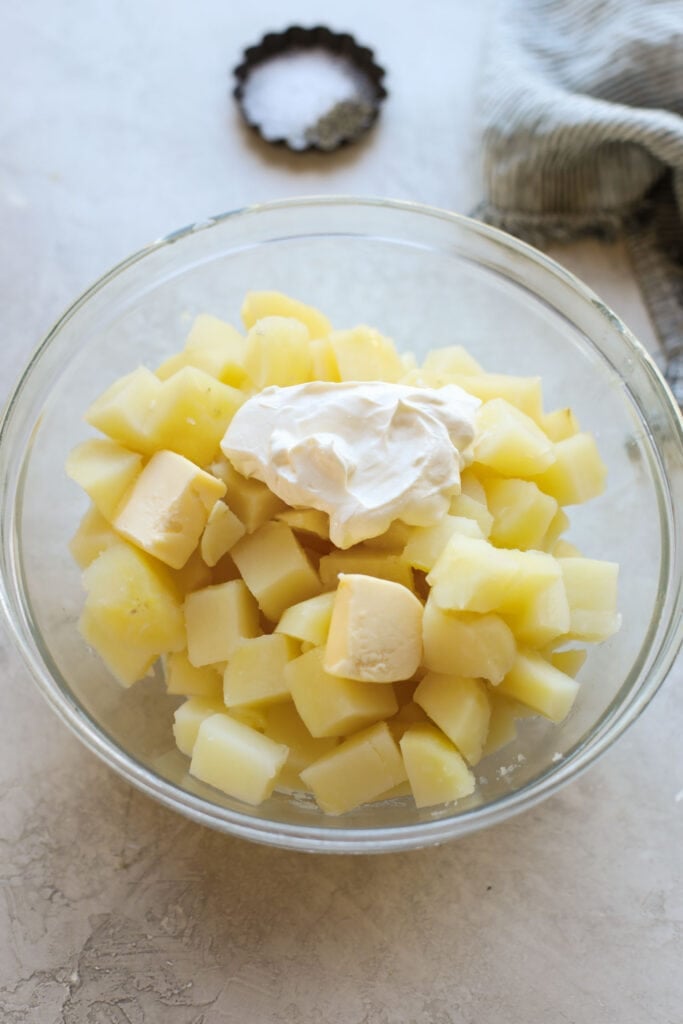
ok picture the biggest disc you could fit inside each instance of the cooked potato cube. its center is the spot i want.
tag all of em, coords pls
(376, 631)
(167, 508)
(194, 575)
(406, 716)
(524, 393)
(308, 620)
(437, 773)
(278, 352)
(426, 543)
(222, 531)
(511, 442)
(324, 360)
(127, 410)
(367, 562)
(451, 359)
(192, 413)
(258, 305)
(544, 617)
(358, 770)
(188, 717)
(591, 587)
(252, 502)
(569, 662)
(393, 540)
(307, 520)
(461, 709)
(216, 619)
(558, 524)
(463, 506)
(214, 347)
(255, 673)
(182, 677)
(472, 575)
(237, 760)
(93, 536)
(502, 724)
(467, 644)
(577, 473)
(364, 354)
(331, 706)
(132, 611)
(538, 684)
(471, 485)
(284, 725)
(522, 513)
(275, 568)
(560, 424)
(105, 470)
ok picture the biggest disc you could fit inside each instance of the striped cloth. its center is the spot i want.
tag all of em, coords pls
(583, 134)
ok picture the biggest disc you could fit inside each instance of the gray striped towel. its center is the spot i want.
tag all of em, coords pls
(583, 134)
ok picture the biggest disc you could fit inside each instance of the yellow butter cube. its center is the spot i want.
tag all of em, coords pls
(467, 644)
(182, 677)
(93, 536)
(222, 531)
(591, 587)
(216, 619)
(436, 771)
(187, 719)
(278, 352)
(308, 620)
(258, 305)
(522, 513)
(105, 470)
(577, 473)
(330, 705)
(364, 354)
(127, 411)
(375, 632)
(255, 673)
(236, 759)
(510, 442)
(461, 709)
(275, 568)
(214, 347)
(538, 684)
(360, 769)
(167, 508)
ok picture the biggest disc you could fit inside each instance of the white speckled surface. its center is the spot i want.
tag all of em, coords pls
(119, 128)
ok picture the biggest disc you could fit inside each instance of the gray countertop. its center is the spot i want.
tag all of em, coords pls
(113, 910)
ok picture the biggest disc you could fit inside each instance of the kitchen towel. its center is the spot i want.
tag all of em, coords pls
(583, 134)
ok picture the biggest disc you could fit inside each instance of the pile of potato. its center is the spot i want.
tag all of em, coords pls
(391, 667)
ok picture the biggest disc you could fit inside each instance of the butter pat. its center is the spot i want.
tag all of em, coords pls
(376, 631)
(168, 508)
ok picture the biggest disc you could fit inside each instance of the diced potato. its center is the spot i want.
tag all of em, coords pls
(502, 724)
(560, 424)
(591, 587)
(308, 620)
(511, 442)
(182, 677)
(331, 706)
(467, 644)
(252, 502)
(563, 549)
(255, 673)
(194, 575)
(544, 617)
(471, 485)
(569, 662)
(393, 540)
(126, 411)
(524, 393)
(358, 770)
(188, 717)
(461, 709)
(364, 354)
(237, 760)
(167, 508)
(558, 524)
(452, 359)
(278, 352)
(366, 562)
(407, 715)
(376, 631)
(472, 575)
(465, 507)
(105, 470)
(224, 570)
(132, 611)
(93, 536)
(275, 568)
(324, 360)
(522, 513)
(436, 771)
(577, 473)
(222, 531)
(214, 347)
(254, 717)
(258, 305)
(538, 684)
(216, 619)
(192, 414)
(426, 543)
(307, 520)
(284, 725)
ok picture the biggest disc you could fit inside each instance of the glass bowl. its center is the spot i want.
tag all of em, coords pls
(427, 278)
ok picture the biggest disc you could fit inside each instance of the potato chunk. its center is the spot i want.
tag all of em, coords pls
(284, 725)
(577, 473)
(376, 631)
(309, 620)
(511, 442)
(258, 305)
(236, 759)
(330, 705)
(522, 513)
(364, 561)
(538, 684)
(93, 536)
(187, 719)
(214, 347)
(126, 411)
(252, 502)
(591, 587)
(544, 617)
(222, 531)
(426, 543)
(182, 677)
(105, 470)
(467, 644)
(255, 673)
(460, 707)
(278, 352)
(275, 568)
(216, 619)
(357, 771)
(167, 508)
(437, 773)
(364, 354)
(192, 414)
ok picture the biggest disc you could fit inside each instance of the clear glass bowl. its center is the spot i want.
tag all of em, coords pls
(427, 278)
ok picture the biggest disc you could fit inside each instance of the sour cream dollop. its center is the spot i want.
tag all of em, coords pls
(366, 453)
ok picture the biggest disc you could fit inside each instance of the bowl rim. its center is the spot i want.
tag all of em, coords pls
(307, 837)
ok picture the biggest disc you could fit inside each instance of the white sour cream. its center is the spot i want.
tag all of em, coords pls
(366, 453)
